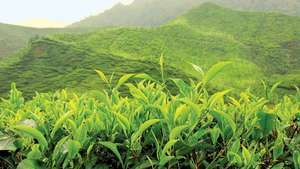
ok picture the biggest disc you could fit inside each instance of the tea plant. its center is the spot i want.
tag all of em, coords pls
(151, 127)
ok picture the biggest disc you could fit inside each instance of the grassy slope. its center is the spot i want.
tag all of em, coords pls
(50, 65)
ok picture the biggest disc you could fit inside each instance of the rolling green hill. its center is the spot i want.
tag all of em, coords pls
(48, 65)
(13, 38)
(261, 46)
(157, 12)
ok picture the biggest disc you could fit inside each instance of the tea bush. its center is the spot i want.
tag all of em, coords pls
(150, 127)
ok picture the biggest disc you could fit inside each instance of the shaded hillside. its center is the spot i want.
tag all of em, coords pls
(157, 12)
(49, 65)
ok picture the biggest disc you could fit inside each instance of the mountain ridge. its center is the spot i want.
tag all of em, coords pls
(155, 12)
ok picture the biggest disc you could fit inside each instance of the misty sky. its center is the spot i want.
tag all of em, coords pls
(67, 11)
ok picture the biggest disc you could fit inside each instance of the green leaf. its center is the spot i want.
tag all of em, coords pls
(35, 153)
(235, 146)
(184, 89)
(102, 76)
(234, 158)
(217, 97)
(214, 71)
(32, 132)
(7, 144)
(137, 93)
(296, 159)
(58, 151)
(165, 160)
(60, 122)
(161, 63)
(278, 149)
(278, 166)
(198, 69)
(29, 164)
(266, 122)
(167, 147)
(176, 132)
(274, 87)
(246, 155)
(144, 76)
(123, 120)
(114, 148)
(146, 164)
(143, 127)
(215, 134)
(123, 79)
(182, 109)
(197, 135)
(73, 148)
(225, 119)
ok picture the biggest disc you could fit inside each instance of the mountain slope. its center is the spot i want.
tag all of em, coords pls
(157, 12)
(261, 46)
(13, 38)
(49, 65)
(258, 43)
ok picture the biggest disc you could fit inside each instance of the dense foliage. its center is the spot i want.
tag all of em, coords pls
(151, 127)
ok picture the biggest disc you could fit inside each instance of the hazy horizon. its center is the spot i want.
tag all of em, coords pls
(36, 13)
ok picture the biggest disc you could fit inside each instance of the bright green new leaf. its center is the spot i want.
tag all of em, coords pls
(246, 155)
(143, 127)
(167, 147)
(214, 71)
(123, 79)
(102, 76)
(123, 120)
(137, 93)
(176, 132)
(60, 122)
(182, 109)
